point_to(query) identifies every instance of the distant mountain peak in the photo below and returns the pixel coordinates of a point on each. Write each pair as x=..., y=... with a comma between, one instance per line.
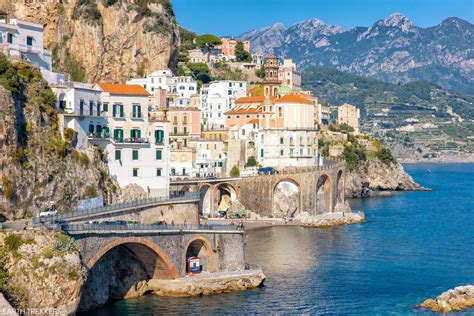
x=398, y=20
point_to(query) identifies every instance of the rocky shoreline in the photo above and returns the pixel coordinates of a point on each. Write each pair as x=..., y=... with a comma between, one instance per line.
x=457, y=299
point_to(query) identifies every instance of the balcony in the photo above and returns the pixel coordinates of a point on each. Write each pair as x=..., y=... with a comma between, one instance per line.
x=25, y=48
x=131, y=140
x=99, y=136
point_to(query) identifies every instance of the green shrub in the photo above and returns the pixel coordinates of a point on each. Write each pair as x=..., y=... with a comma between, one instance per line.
x=69, y=134
x=48, y=253
x=385, y=155
x=72, y=275
x=350, y=157
x=8, y=190
x=251, y=162
x=64, y=243
x=90, y=192
x=84, y=159
x=235, y=172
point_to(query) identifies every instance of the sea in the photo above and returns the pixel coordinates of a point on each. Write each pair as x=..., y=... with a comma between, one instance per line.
x=414, y=246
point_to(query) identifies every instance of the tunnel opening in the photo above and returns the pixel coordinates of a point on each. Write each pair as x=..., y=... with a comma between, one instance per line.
x=323, y=195
x=122, y=272
x=286, y=199
x=205, y=201
x=226, y=195
x=202, y=250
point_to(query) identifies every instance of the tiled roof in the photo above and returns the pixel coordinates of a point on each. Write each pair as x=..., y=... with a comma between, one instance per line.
x=254, y=121
x=258, y=110
x=123, y=89
x=256, y=99
x=293, y=99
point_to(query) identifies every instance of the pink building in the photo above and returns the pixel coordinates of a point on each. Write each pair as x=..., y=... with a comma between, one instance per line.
x=184, y=124
x=229, y=44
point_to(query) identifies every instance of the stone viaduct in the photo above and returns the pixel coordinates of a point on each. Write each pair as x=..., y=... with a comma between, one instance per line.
x=163, y=252
x=319, y=189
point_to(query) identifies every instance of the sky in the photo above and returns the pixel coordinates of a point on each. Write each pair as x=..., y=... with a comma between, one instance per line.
x=234, y=17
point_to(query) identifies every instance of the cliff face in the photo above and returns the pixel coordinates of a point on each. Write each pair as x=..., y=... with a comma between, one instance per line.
x=37, y=165
x=108, y=40
x=41, y=270
x=375, y=175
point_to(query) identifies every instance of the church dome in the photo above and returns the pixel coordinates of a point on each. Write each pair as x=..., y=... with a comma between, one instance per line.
x=283, y=90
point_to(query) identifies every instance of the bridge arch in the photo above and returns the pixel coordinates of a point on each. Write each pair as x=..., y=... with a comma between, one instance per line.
x=205, y=202
x=161, y=256
x=286, y=198
x=221, y=190
x=340, y=178
x=323, y=194
x=200, y=247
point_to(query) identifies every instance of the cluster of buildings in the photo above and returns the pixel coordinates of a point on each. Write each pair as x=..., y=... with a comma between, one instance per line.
x=161, y=127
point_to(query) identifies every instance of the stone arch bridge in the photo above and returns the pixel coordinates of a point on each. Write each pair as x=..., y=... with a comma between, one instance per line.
x=317, y=190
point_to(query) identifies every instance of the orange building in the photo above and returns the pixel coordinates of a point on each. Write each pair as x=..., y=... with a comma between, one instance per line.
x=229, y=44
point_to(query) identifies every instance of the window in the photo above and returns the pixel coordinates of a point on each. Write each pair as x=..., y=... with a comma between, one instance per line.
x=159, y=135
x=135, y=133
x=175, y=130
x=280, y=111
x=91, y=108
x=219, y=164
x=240, y=84
x=281, y=140
x=81, y=107
x=185, y=131
x=175, y=120
x=136, y=111
x=118, y=134
x=135, y=154
x=135, y=172
x=229, y=92
x=105, y=107
x=91, y=128
x=184, y=171
x=180, y=102
x=10, y=38
x=159, y=154
x=98, y=108
x=117, y=110
x=118, y=154
x=158, y=172
x=230, y=84
x=281, y=152
x=261, y=152
x=144, y=86
x=173, y=171
x=29, y=41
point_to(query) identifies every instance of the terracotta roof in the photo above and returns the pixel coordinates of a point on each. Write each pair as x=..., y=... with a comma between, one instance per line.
x=123, y=89
x=247, y=111
x=293, y=99
x=256, y=99
x=254, y=121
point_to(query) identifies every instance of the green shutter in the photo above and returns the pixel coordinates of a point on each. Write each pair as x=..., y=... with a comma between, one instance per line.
x=261, y=152
x=135, y=154
x=139, y=133
x=158, y=154
x=158, y=172
x=121, y=110
x=159, y=136
x=114, y=110
x=118, y=154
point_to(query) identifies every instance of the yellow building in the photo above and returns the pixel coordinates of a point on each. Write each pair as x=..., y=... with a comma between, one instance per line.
x=215, y=135
x=348, y=114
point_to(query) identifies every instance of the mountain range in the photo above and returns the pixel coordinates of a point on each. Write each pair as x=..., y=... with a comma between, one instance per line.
x=392, y=49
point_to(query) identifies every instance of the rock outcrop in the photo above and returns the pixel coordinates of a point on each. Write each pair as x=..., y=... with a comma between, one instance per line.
x=104, y=40
x=41, y=270
x=328, y=219
x=207, y=283
x=374, y=175
x=37, y=165
x=459, y=298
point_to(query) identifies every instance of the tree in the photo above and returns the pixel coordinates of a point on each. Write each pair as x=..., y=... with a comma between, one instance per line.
x=208, y=41
x=385, y=155
x=241, y=54
x=251, y=162
x=235, y=172
x=260, y=72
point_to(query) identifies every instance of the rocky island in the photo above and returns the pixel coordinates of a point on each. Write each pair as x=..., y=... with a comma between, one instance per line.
x=457, y=299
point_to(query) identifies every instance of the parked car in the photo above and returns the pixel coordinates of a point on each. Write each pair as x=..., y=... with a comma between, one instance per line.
x=267, y=170
x=48, y=212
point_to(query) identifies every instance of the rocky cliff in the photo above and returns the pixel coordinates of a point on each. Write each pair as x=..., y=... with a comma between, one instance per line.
x=41, y=270
x=110, y=40
x=36, y=164
x=457, y=299
x=374, y=175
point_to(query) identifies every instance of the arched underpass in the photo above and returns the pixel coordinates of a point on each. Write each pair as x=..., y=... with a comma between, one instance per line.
x=118, y=267
x=201, y=248
x=225, y=194
x=323, y=195
x=286, y=199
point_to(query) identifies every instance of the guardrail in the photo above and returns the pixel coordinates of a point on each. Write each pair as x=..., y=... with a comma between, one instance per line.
x=78, y=228
x=116, y=207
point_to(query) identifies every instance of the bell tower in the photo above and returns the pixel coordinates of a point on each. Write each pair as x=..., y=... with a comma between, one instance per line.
x=271, y=83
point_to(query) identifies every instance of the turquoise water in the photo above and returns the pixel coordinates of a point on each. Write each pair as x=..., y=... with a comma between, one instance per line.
x=414, y=245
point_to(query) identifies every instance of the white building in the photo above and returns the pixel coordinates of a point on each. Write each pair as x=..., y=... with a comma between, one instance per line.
x=217, y=98
x=182, y=87
x=82, y=110
x=210, y=157
x=24, y=40
x=137, y=150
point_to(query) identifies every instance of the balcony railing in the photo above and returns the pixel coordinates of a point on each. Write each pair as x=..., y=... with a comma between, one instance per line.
x=96, y=135
x=26, y=48
x=132, y=140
